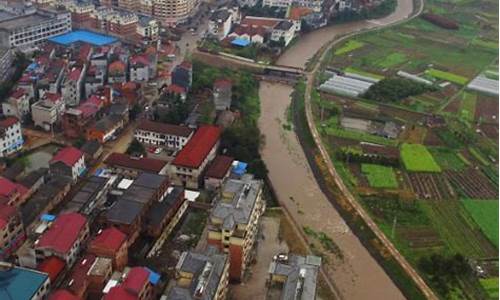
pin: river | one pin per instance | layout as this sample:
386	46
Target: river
358	275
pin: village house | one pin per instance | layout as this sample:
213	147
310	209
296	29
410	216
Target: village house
53	266
217	172
172	137
200	275
105	129
72	87
64	238
111	243
117	72
35	284
89	276
176	90
284	32
233	222
166	213
132	166
47	112
17	104
69	162
11	136
220	23
137	285
250	33
12	233
222	94
188	166
92	150
183	75
77	120
11	193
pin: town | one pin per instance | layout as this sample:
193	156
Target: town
247	149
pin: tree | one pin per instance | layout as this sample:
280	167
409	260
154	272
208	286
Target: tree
394	89
136	148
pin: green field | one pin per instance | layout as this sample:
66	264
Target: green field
468	106
392	60
359	136
491	287
485	214
379	176
447	76
478	155
448	159
364	73
351	45
416	158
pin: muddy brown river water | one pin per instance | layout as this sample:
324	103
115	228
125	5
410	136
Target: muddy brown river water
358	275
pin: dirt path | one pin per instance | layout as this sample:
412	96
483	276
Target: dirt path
358	276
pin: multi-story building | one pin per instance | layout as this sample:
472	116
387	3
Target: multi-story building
12	233
17	105
105	129
219	23
217	172
72	86
111	243
141	68
172	12
69	162
148	27
28	30
200	275
164	215
277	3
284	32
183	75
89	276
295	276
48	111
132	166
173	137
137	285
77	120
6	60
22	283
146	7
63	239
12	193
234	221
81	14
11	136
188	166
222	94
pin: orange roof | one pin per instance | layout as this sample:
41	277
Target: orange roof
258	21
296	13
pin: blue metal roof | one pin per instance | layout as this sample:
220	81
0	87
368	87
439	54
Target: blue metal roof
240	168
20	283
90	37
153	277
47	217
240	42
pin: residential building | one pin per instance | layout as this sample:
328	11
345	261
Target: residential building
53	266
296	276
92	150
89	276
200	275
12	193
234	221
172	12
172	137
217	172
28	30
12	233
146	7
72	87
220	22
11	136
164	215
63	239
251	33
6	60
17	104
188	166
77	120
147	27
267	23
81	14
222	94
48	111
137	285
283	32
132	166
277	3
316	5
69	162
22	283
111	243
175	90
117	72
131	207
183	75
105	129
141	68
50	76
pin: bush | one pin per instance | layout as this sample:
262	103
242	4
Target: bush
395	89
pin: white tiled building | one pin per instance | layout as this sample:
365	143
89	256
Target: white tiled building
11	137
17	105
47	111
163	135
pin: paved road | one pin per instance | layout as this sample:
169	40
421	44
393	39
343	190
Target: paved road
299	191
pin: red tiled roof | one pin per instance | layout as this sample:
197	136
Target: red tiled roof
144	164
62	295
257	21
78	276
198	147
117	67
18	93
296	13
250	30
136	279
110	238
53	266
176	89
139	59
74	74
84	51
63	232
223	83
7	187
119	293
164	128
6	212
219	166
53	97
68	155
7	122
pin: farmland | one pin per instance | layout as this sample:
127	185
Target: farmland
448	143
491	286
416	158
485	214
379	176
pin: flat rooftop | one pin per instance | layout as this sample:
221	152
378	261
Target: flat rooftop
23	21
84	36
